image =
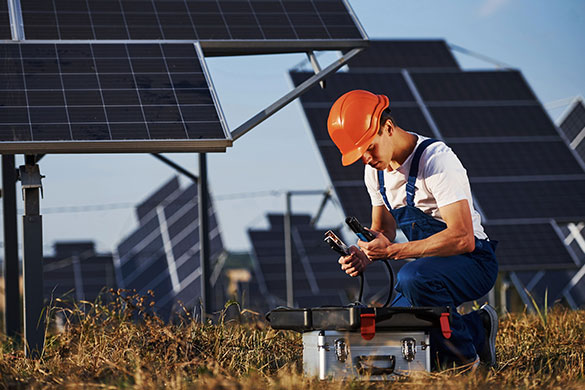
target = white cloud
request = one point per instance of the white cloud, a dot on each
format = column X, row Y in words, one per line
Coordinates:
column 490, row 7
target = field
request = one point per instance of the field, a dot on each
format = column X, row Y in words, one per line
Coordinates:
column 119, row 345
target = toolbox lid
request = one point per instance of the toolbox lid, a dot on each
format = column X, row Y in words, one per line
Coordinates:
column 348, row 318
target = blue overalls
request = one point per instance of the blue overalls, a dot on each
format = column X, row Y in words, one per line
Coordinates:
column 442, row 281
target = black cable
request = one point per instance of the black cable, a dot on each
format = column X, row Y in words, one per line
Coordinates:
column 391, row 288
column 361, row 288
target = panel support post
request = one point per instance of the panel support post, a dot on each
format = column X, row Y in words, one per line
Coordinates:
column 11, row 272
column 288, row 252
column 204, row 238
column 34, row 321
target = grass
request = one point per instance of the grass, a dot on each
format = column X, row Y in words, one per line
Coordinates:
column 118, row 344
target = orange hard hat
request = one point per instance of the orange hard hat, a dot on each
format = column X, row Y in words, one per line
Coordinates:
column 353, row 122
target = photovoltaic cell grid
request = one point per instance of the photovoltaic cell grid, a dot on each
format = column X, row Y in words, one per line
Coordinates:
column 162, row 254
column 516, row 190
column 5, row 32
column 409, row 54
column 219, row 25
column 573, row 126
column 519, row 167
column 57, row 98
column 77, row 273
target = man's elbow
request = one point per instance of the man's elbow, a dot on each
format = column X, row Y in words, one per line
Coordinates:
column 466, row 244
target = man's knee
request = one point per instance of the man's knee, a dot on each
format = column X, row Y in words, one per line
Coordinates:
column 411, row 275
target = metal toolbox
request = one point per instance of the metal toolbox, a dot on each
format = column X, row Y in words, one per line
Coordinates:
column 364, row 342
column 330, row 353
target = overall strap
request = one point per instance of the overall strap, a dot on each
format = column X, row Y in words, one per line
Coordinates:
column 382, row 189
column 414, row 170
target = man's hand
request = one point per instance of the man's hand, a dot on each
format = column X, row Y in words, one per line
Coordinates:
column 355, row 263
column 378, row 248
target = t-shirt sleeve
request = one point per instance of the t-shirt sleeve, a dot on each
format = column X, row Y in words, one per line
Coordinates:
column 371, row 180
column 446, row 178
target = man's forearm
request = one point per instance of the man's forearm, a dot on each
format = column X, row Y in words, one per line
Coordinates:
column 444, row 243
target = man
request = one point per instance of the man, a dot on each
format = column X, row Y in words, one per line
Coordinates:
column 419, row 185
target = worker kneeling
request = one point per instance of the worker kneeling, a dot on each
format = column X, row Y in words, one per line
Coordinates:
column 419, row 185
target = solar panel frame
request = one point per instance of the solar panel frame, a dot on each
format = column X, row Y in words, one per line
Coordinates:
column 223, row 27
column 20, row 118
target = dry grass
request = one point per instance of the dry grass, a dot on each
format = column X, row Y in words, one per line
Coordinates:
column 120, row 345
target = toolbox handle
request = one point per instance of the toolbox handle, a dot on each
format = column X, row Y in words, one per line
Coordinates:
column 365, row 367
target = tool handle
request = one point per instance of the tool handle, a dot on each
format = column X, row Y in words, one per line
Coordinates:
column 365, row 366
column 359, row 229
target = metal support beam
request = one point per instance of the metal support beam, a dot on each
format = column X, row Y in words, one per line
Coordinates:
column 204, row 249
column 288, row 241
column 34, row 321
column 326, row 197
column 292, row 95
column 176, row 166
column 316, row 66
column 288, row 252
column 12, row 325
column 16, row 24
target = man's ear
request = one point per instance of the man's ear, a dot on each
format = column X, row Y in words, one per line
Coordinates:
column 389, row 126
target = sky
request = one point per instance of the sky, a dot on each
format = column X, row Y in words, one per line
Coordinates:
column 92, row 197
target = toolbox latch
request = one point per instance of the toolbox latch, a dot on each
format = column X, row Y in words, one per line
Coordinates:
column 368, row 325
column 445, row 328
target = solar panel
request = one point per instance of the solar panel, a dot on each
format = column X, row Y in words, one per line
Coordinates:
column 574, row 122
column 489, row 120
column 162, row 254
column 94, row 97
column 5, row 32
column 157, row 198
column 472, row 86
column 392, row 84
column 77, row 273
column 223, row 27
column 573, row 126
column 488, row 159
column 561, row 200
column 411, row 54
column 529, row 247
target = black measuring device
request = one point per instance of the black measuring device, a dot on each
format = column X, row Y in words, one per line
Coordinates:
column 359, row 230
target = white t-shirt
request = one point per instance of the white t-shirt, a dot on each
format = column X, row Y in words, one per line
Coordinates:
column 441, row 180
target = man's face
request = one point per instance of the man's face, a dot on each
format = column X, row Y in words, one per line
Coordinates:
column 379, row 152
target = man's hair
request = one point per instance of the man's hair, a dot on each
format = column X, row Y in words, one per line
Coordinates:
column 385, row 116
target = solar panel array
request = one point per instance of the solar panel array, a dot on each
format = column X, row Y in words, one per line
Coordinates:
column 523, row 176
column 76, row 272
column 222, row 26
column 317, row 277
column 97, row 97
column 573, row 126
column 139, row 89
column 162, row 254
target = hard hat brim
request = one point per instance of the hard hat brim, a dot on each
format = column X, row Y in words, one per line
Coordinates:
column 355, row 154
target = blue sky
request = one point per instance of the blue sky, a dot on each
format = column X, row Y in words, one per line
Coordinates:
column 544, row 39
